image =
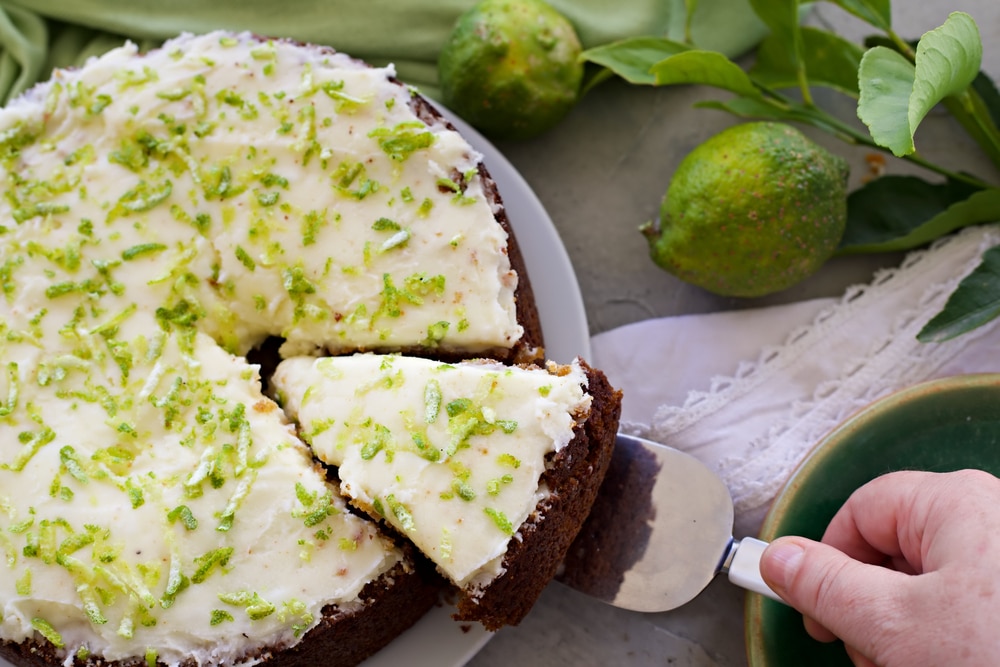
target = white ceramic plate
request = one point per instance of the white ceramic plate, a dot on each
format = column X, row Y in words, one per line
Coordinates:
column 437, row 640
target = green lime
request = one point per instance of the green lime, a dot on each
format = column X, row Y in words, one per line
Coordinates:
column 511, row 68
column 752, row 211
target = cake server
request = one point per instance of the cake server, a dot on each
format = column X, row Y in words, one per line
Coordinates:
column 660, row 531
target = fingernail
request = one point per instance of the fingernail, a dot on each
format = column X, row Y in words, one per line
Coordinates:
column 784, row 559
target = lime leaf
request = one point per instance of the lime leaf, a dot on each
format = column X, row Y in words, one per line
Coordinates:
column 632, row 58
column 782, row 17
column 885, row 80
column 896, row 95
column 948, row 60
column 875, row 12
column 974, row 302
column 704, row 67
column 758, row 107
column 902, row 212
column 988, row 92
column 830, row 60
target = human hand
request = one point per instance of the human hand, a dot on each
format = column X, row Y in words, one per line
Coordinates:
column 905, row 574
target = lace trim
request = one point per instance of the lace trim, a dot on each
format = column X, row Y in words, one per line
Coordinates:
column 893, row 359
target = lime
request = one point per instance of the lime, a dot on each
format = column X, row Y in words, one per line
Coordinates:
column 511, row 68
column 751, row 211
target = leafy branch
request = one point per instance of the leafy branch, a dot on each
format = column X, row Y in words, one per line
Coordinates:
column 896, row 83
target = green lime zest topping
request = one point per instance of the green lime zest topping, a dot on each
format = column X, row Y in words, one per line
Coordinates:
column 207, row 562
column 245, row 258
column 38, row 209
column 380, row 439
column 184, row 514
column 494, row 486
column 385, row 224
column 268, row 198
column 231, row 98
column 45, row 629
column 256, row 606
column 402, row 514
column 436, row 333
column 13, row 388
column 228, row 516
column 500, row 519
column 220, row 616
column 311, row 224
column 463, row 490
column 141, row 198
column 345, row 102
column 177, row 581
column 448, row 185
column 295, row 281
column 422, row 285
column 316, row 506
column 71, row 464
column 458, row 406
column 129, row 78
column 466, row 418
column 508, row 426
column 134, row 492
column 425, row 207
column 296, row 609
column 173, row 95
column 432, row 401
column 347, row 174
column 142, row 249
column 23, row 584
column 401, row 140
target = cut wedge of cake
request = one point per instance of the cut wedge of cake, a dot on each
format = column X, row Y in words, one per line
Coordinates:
column 462, row 459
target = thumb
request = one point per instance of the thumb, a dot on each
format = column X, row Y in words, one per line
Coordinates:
column 840, row 597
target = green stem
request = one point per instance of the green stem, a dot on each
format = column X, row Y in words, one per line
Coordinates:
column 833, row 125
column 803, row 77
column 864, row 140
column 902, row 46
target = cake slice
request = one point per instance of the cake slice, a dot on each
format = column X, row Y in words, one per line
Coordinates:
column 487, row 469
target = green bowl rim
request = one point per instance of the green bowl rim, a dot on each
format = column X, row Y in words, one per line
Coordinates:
column 753, row 606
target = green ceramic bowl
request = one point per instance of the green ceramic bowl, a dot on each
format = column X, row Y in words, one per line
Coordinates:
column 940, row 425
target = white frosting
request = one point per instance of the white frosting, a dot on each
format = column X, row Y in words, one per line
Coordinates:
column 296, row 184
column 164, row 213
column 451, row 455
column 107, row 461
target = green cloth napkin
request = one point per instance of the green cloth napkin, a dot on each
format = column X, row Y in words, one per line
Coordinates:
column 37, row 35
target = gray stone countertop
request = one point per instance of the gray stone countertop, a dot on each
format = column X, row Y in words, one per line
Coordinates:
column 600, row 174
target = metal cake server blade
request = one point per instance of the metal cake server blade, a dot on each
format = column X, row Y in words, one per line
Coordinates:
column 660, row 531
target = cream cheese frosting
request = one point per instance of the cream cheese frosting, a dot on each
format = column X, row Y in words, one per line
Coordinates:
column 172, row 508
column 296, row 184
column 162, row 214
column 451, row 455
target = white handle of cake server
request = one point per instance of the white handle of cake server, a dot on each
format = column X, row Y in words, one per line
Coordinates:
column 744, row 567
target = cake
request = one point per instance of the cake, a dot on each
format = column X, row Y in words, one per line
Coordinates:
column 459, row 464
column 168, row 216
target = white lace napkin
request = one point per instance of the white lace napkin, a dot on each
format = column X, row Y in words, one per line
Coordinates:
column 750, row 392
